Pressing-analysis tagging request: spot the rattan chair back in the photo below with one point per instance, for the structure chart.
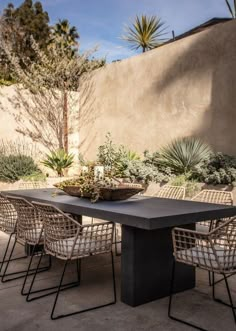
(29, 225)
(65, 238)
(215, 196)
(27, 185)
(171, 192)
(214, 251)
(8, 215)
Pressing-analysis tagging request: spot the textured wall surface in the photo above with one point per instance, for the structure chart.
(184, 88)
(13, 108)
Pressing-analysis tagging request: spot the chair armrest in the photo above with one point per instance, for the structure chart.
(188, 232)
(184, 239)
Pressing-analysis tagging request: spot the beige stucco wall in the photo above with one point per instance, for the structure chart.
(184, 88)
(11, 107)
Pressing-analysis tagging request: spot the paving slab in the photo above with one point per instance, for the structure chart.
(18, 315)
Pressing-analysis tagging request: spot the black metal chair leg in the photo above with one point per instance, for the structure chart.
(34, 276)
(209, 278)
(27, 273)
(4, 272)
(53, 317)
(21, 273)
(28, 270)
(230, 298)
(116, 244)
(58, 290)
(78, 267)
(170, 303)
(30, 292)
(6, 250)
(113, 276)
(221, 279)
(217, 299)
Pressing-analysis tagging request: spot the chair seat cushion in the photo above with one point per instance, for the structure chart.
(204, 228)
(82, 247)
(31, 236)
(204, 257)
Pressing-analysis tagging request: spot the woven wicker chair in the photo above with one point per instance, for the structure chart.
(27, 185)
(8, 220)
(212, 196)
(170, 192)
(29, 232)
(68, 240)
(214, 252)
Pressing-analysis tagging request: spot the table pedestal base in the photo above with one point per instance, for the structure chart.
(147, 258)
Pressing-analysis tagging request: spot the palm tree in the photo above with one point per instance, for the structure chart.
(67, 34)
(145, 33)
(232, 8)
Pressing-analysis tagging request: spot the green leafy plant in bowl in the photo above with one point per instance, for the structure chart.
(88, 186)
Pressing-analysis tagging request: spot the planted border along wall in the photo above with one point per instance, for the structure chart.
(184, 88)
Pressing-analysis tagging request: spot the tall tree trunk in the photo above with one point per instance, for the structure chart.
(65, 121)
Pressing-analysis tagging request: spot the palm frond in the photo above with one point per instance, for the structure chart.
(232, 12)
(145, 32)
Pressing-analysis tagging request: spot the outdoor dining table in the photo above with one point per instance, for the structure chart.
(147, 252)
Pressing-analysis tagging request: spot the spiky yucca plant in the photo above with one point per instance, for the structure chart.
(183, 154)
(145, 33)
(58, 161)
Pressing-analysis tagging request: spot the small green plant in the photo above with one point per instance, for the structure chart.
(115, 157)
(58, 161)
(108, 153)
(184, 154)
(191, 186)
(179, 180)
(14, 167)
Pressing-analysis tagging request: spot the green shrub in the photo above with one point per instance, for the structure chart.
(58, 161)
(137, 170)
(13, 167)
(184, 154)
(179, 180)
(191, 186)
(218, 169)
(154, 160)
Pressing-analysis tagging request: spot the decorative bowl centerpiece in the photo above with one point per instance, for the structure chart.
(88, 186)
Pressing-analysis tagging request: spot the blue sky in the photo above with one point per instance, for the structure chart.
(101, 22)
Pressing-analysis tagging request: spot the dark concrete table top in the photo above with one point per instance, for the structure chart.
(139, 211)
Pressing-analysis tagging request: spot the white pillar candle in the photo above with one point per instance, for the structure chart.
(84, 169)
(99, 172)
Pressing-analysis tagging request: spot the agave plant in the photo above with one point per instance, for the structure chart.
(184, 154)
(58, 161)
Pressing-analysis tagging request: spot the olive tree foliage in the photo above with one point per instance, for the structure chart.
(46, 90)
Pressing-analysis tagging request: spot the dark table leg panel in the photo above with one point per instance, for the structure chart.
(146, 266)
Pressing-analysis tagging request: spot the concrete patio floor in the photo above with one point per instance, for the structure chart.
(17, 315)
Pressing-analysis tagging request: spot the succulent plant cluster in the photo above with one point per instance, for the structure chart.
(89, 185)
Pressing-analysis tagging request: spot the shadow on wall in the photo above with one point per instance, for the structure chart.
(209, 58)
(88, 116)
